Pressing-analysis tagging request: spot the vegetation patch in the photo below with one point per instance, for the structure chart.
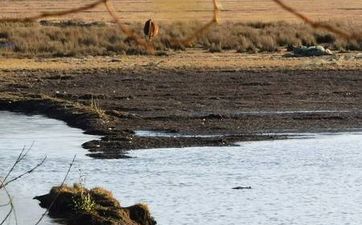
(97, 206)
(77, 38)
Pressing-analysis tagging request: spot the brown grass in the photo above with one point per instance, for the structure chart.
(162, 10)
(77, 38)
(264, 43)
(79, 205)
(180, 61)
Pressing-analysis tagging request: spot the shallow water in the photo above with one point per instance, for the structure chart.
(148, 133)
(48, 137)
(313, 180)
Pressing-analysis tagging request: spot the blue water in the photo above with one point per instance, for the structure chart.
(312, 180)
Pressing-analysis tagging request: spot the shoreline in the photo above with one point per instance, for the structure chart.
(176, 61)
(118, 100)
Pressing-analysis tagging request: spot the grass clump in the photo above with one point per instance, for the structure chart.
(94, 105)
(79, 205)
(84, 203)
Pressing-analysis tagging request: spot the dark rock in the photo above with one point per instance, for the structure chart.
(242, 188)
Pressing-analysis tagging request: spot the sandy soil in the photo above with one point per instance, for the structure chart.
(236, 101)
(191, 59)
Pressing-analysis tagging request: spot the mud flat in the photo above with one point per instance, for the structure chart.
(213, 106)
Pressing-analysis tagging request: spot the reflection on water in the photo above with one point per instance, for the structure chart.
(294, 181)
(149, 133)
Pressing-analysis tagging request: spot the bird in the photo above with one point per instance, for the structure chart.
(150, 29)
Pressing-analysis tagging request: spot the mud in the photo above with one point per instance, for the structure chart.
(238, 105)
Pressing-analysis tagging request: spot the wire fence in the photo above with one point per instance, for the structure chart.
(215, 18)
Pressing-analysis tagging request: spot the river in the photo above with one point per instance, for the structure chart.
(309, 179)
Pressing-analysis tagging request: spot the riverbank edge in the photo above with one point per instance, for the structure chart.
(83, 118)
(116, 142)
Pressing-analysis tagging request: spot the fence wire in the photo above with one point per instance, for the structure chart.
(149, 46)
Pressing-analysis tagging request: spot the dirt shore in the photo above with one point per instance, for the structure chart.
(225, 103)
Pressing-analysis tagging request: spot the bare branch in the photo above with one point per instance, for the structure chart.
(215, 20)
(7, 216)
(23, 174)
(53, 14)
(4, 205)
(12, 208)
(3, 183)
(316, 25)
(21, 156)
(61, 185)
(130, 33)
(149, 47)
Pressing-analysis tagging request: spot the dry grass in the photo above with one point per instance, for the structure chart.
(79, 205)
(94, 105)
(183, 61)
(236, 11)
(76, 38)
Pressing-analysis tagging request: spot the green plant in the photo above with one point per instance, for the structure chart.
(83, 203)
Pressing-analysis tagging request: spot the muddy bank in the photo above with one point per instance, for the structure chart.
(234, 106)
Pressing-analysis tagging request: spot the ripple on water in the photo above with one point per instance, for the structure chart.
(48, 137)
(294, 181)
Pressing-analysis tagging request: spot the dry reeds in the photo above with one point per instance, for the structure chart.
(258, 38)
(130, 33)
(76, 38)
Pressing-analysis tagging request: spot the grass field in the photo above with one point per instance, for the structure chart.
(247, 27)
(75, 38)
(185, 61)
(172, 10)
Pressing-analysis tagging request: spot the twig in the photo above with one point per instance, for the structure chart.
(7, 216)
(316, 25)
(110, 9)
(6, 204)
(24, 152)
(61, 185)
(215, 20)
(3, 183)
(21, 156)
(148, 46)
(12, 208)
(23, 174)
(53, 14)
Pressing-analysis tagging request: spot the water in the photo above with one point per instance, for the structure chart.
(314, 180)
(148, 133)
(48, 137)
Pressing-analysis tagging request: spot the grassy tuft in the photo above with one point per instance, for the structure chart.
(84, 203)
(94, 105)
(79, 205)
